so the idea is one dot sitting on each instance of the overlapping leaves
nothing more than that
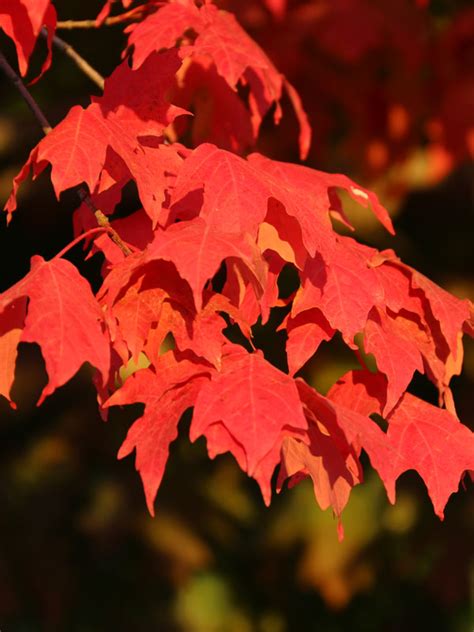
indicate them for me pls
(215, 232)
(206, 34)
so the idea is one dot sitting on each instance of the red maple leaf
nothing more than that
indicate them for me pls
(255, 402)
(420, 436)
(166, 394)
(122, 121)
(306, 331)
(62, 317)
(396, 353)
(22, 21)
(328, 458)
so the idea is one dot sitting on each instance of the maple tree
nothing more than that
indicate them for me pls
(197, 268)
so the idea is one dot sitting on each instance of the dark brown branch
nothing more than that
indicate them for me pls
(82, 192)
(20, 86)
(80, 62)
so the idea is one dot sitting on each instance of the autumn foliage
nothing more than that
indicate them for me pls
(199, 265)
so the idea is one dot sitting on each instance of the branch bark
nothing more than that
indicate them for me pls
(80, 62)
(134, 15)
(20, 86)
(82, 191)
(103, 221)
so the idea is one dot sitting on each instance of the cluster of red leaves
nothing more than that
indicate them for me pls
(385, 78)
(208, 246)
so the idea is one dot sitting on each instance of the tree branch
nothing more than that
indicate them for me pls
(20, 86)
(82, 191)
(80, 62)
(103, 221)
(134, 15)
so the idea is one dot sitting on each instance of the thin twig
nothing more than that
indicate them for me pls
(103, 221)
(20, 86)
(82, 192)
(134, 15)
(69, 25)
(80, 62)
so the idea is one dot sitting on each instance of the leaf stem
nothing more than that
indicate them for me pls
(80, 62)
(103, 221)
(74, 242)
(25, 93)
(361, 359)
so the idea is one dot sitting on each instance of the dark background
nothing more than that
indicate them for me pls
(78, 549)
